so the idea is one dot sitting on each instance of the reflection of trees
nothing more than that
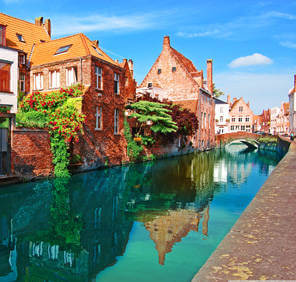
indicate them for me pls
(73, 230)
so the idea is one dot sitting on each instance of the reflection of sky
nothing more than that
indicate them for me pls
(174, 211)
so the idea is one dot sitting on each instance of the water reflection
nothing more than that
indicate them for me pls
(72, 230)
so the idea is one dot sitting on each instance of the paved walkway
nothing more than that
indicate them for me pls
(262, 244)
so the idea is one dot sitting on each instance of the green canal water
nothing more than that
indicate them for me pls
(156, 221)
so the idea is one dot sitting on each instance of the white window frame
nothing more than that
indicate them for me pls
(99, 77)
(116, 121)
(71, 76)
(116, 82)
(22, 82)
(99, 118)
(54, 79)
(38, 81)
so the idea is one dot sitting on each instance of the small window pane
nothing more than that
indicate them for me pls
(63, 49)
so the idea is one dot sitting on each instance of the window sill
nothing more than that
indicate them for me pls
(98, 129)
(6, 92)
(117, 134)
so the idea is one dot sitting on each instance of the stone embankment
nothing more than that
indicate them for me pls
(262, 243)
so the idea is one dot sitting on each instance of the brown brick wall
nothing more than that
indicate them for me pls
(228, 137)
(31, 155)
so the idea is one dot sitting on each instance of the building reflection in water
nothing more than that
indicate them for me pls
(72, 230)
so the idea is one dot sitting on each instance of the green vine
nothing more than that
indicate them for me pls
(59, 111)
(134, 149)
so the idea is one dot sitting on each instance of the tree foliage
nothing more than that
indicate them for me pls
(217, 92)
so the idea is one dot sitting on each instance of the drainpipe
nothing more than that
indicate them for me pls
(81, 77)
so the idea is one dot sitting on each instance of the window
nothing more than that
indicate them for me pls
(232, 127)
(99, 118)
(221, 118)
(116, 121)
(247, 119)
(4, 77)
(2, 35)
(96, 49)
(22, 59)
(99, 81)
(202, 124)
(54, 79)
(71, 76)
(22, 82)
(38, 81)
(20, 37)
(221, 110)
(63, 49)
(174, 69)
(243, 128)
(240, 109)
(237, 127)
(240, 119)
(116, 83)
(205, 120)
(159, 71)
(233, 119)
(150, 84)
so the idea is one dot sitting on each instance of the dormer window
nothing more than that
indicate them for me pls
(22, 59)
(20, 37)
(63, 49)
(96, 49)
(2, 35)
(159, 71)
(174, 69)
(149, 84)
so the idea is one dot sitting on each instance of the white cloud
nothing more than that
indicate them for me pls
(288, 44)
(66, 24)
(263, 90)
(199, 34)
(252, 60)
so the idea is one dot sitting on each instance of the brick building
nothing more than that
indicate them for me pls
(240, 115)
(262, 122)
(49, 65)
(175, 78)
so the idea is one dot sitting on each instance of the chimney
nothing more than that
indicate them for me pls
(166, 42)
(96, 43)
(228, 100)
(210, 75)
(39, 21)
(131, 66)
(47, 26)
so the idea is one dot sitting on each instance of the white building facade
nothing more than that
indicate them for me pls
(221, 117)
(8, 77)
(274, 112)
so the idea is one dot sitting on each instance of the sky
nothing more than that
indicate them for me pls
(252, 43)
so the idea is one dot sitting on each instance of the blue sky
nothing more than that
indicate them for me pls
(252, 43)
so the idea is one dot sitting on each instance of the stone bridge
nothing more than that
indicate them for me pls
(247, 138)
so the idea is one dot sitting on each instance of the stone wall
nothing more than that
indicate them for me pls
(30, 153)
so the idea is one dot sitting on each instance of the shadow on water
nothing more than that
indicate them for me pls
(71, 230)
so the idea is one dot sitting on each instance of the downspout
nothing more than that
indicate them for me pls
(81, 76)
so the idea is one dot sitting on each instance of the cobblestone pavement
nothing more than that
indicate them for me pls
(262, 243)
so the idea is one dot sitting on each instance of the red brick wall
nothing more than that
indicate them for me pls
(31, 155)
(98, 146)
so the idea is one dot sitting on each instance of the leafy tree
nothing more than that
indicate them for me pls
(157, 113)
(217, 92)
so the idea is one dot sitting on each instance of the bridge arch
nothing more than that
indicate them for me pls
(247, 138)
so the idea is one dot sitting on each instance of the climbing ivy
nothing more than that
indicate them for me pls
(59, 111)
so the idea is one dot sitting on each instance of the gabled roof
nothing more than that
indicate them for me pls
(80, 46)
(30, 32)
(184, 61)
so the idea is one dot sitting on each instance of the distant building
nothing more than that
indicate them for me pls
(292, 110)
(241, 115)
(282, 120)
(174, 77)
(274, 112)
(221, 116)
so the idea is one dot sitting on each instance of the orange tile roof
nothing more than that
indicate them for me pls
(30, 32)
(184, 61)
(81, 46)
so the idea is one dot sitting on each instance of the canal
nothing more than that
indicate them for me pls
(155, 221)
